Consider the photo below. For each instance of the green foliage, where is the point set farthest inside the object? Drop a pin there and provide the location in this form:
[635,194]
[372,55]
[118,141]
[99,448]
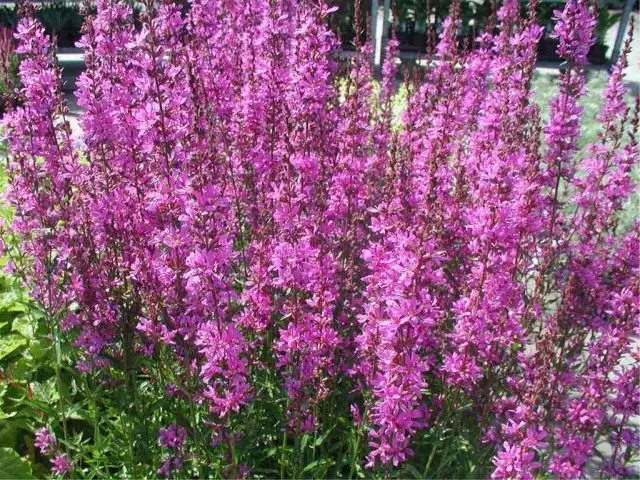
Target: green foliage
[11,466]
[27,389]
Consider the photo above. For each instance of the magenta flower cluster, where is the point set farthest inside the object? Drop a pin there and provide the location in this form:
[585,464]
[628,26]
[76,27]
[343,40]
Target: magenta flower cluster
[172,438]
[236,198]
[46,442]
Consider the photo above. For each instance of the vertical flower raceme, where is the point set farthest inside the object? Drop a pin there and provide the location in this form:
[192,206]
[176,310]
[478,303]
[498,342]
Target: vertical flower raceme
[42,167]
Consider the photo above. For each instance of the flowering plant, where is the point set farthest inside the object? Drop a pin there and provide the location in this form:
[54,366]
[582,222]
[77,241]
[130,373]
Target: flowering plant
[280,276]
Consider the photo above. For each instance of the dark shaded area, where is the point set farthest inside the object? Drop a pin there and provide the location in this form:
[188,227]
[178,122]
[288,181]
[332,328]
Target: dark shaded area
[412,23]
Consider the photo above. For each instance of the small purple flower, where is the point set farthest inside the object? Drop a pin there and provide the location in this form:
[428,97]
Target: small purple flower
[355,413]
[172,437]
[170,465]
[60,464]
[45,441]
[172,390]
[514,462]
[243,471]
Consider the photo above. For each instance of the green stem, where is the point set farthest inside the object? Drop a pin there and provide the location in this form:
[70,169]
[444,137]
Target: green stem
[297,454]
[53,328]
[283,455]
[354,457]
[130,375]
[58,369]
[315,434]
[443,463]
[94,410]
[431,456]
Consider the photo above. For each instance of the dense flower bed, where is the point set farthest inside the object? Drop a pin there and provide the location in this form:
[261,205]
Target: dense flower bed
[236,213]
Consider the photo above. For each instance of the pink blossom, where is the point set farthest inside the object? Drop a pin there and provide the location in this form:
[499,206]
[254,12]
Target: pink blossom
[45,441]
[61,464]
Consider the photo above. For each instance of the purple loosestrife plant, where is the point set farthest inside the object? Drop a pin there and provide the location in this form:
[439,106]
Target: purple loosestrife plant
[318,283]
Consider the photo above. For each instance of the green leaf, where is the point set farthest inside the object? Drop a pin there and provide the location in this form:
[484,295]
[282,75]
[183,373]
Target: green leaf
[324,436]
[4,416]
[6,318]
[8,434]
[46,391]
[24,325]
[11,343]
[271,452]
[304,441]
[38,348]
[323,462]
[20,369]
[11,466]
[413,470]
[12,301]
